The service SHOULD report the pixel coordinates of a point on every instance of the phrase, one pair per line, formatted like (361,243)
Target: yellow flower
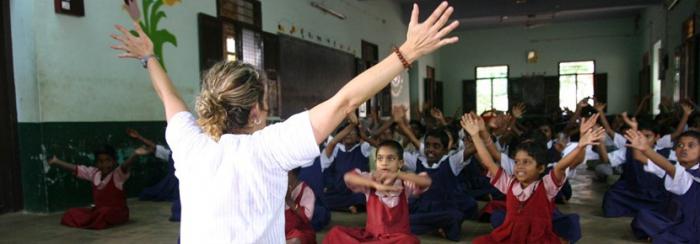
(171,2)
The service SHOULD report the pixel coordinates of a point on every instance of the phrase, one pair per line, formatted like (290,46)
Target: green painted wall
(612,43)
(51,189)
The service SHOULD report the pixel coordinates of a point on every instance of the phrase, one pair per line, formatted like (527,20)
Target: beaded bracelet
(405,63)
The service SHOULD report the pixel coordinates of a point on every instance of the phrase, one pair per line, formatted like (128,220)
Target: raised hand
(587,124)
(687,108)
(136,47)
(53,160)
(592,137)
(583,103)
(637,140)
(631,122)
(133,133)
(398,114)
(437,114)
(470,124)
(142,151)
(518,110)
(352,118)
(423,38)
(599,106)
(480,122)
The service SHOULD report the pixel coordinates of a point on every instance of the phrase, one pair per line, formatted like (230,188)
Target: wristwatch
(144,60)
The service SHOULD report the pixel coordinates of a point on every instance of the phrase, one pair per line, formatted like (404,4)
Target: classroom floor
(149,223)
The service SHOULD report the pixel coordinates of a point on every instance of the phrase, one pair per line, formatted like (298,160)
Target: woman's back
(238,184)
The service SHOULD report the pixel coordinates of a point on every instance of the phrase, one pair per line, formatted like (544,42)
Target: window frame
(476,79)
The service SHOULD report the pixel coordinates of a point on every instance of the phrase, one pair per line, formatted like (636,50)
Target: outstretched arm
(470,124)
(687,111)
(141,151)
(140,47)
(421,39)
(54,161)
(638,142)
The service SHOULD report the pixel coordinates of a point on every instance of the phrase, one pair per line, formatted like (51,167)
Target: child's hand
(480,122)
(387,188)
(470,124)
(387,178)
(136,47)
(437,114)
(587,124)
(398,114)
(637,140)
(518,110)
(583,103)
(142,151)
(631,122)
(352,118)
(53,160)
(591,137)
(687,108)
(599,106)
(133,133)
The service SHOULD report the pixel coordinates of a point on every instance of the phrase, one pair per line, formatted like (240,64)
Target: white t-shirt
(233,190)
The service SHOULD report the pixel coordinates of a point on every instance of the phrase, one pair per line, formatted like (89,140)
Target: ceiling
(474,14)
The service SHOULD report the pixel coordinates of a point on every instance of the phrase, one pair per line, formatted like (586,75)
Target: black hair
(691,133)
(440,134)
(393,145)
(650,126)
(106,150)
(536,150)
(419,127)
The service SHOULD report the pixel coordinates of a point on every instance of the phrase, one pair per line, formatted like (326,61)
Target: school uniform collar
(341,147)
(424,161)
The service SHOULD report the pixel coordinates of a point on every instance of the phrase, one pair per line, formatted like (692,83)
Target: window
(491,88)
(575,82)
(230,48)
(656,78)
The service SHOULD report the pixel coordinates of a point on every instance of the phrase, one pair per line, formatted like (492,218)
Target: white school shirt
(680,183)
(455,159)
(327,160)
(162,153)
(664,142)
(233,190)
(619,156)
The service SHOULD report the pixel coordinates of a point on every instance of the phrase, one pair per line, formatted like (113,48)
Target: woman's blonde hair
(229,92)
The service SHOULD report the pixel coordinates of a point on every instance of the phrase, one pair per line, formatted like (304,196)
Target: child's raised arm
(141,151)
(342,134)
(141,47)
(687,111)
(486,137)
(638,141)
(470,124)
(600,107)
(54,161)
(398,114)
(136,135)
(421,38)
(589,136)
